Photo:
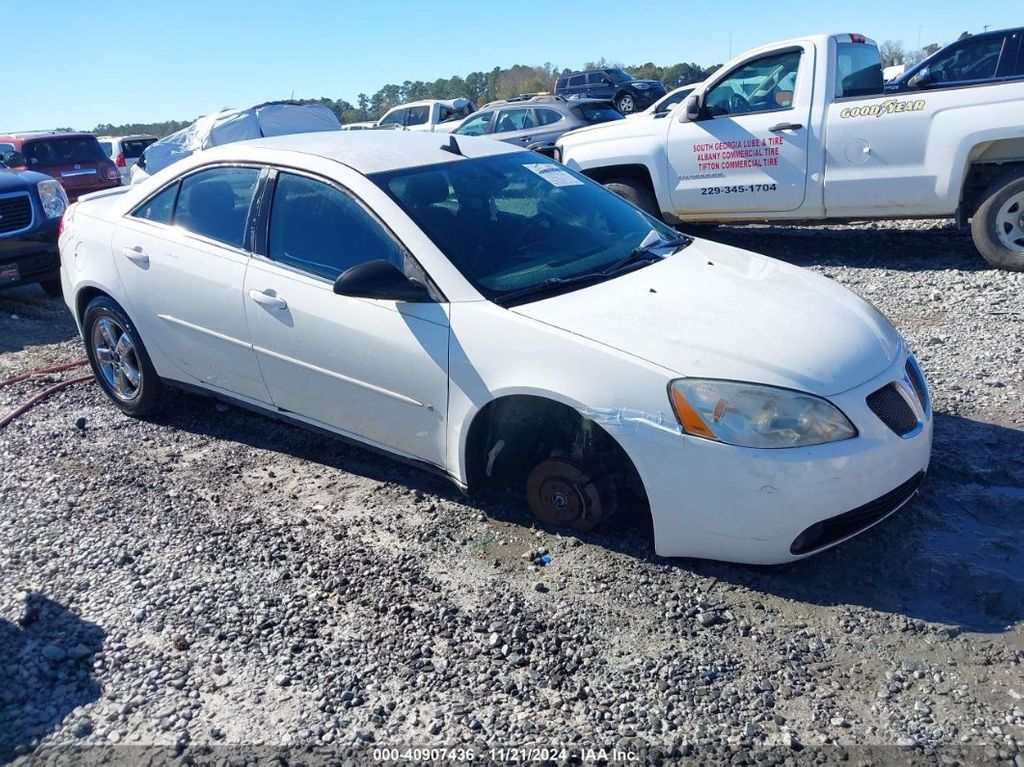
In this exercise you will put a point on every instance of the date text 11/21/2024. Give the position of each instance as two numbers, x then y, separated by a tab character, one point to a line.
506	754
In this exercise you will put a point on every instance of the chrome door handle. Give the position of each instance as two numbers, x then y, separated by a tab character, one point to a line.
267	300
136	254
785	126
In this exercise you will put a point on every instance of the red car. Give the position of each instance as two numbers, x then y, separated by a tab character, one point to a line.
76	160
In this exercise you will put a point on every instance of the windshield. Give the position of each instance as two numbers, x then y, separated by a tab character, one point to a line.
63	151
619	75
513	222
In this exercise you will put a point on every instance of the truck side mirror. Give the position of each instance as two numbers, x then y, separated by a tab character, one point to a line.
692	111
13	160
922	79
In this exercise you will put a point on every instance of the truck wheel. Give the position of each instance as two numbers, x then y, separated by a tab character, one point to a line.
998	224
636	192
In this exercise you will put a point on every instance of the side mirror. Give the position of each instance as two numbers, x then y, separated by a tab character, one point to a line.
14	160
922	79
692	111
381	280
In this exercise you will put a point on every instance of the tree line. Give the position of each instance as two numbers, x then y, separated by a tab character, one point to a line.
478	87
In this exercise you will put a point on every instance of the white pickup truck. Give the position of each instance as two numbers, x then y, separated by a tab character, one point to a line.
802	130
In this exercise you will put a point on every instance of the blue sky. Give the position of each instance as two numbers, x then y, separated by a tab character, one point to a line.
78	64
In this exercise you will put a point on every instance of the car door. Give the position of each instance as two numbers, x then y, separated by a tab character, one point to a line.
515	126
599	85
748	149
372	369
181	256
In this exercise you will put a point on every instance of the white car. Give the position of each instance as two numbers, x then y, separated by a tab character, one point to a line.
125	151
481	311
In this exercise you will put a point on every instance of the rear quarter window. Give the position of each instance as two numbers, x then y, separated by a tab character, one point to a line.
858	70
135	147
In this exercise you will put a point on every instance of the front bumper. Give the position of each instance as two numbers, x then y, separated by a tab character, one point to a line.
34	257
716	501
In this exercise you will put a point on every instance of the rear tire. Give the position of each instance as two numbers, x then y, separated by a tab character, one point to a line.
52	288
119	359
636	192
997	226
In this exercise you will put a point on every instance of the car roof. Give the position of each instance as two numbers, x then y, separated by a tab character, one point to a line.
128	137
34	135
366	151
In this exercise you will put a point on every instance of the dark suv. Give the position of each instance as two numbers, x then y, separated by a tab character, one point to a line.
76	160
612	84
31	205
989	57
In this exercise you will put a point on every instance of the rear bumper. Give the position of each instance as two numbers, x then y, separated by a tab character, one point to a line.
34	257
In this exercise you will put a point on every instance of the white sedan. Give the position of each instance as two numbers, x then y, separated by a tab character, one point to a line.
484	312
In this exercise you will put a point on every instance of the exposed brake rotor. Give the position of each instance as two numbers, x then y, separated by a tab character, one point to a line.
562	494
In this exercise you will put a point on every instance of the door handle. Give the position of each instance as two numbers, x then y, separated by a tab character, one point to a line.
136	254
267	300
785	126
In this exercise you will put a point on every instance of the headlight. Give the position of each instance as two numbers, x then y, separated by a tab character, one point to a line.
640	86
750	415
52	196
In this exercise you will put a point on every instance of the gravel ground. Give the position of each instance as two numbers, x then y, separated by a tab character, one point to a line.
215	578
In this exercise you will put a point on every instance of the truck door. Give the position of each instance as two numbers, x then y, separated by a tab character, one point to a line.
747	151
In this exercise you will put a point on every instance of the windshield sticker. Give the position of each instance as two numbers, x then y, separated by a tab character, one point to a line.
885	108
553	174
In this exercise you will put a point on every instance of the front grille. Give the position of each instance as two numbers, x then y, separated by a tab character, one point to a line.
843	526
917	381
15	213
893	410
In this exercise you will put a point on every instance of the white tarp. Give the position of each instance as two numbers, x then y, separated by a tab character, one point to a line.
273	119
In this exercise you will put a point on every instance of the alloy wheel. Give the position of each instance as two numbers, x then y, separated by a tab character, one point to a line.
117	359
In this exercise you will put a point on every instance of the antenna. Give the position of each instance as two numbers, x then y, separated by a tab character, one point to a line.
452	146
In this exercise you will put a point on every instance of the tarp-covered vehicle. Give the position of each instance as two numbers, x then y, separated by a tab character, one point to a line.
274	118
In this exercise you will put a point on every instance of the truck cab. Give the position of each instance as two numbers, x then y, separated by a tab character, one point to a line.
803	130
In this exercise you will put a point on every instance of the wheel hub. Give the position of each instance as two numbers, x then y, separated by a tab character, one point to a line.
562	494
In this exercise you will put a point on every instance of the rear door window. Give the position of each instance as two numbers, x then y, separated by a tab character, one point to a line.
51	152
968	60
321	230
215	203
513	119
418	115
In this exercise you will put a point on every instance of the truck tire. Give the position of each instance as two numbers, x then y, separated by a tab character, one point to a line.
997	226
636	192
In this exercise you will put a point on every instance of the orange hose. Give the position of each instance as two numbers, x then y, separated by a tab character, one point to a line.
30	403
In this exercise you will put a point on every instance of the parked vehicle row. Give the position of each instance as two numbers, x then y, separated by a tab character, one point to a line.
76	160
805	130
530	330
31	206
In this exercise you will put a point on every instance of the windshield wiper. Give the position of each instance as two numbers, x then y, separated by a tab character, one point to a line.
645	251
642	252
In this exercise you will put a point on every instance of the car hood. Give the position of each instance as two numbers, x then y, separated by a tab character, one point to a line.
719	312
12	180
